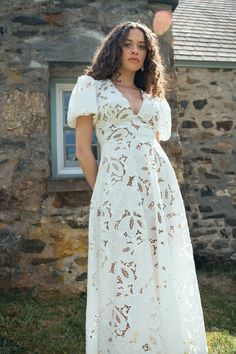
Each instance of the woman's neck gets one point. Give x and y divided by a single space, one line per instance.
126 79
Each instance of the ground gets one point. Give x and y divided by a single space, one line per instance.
33 324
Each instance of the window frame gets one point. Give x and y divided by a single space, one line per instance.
58 170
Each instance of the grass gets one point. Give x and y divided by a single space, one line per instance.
33 325
218 294
56 325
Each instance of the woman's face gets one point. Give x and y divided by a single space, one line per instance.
134 50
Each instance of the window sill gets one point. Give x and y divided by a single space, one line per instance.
67 185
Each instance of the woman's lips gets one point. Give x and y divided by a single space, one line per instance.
135 60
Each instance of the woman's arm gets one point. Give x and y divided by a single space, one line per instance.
84 153
158 137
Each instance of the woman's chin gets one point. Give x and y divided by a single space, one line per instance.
132 68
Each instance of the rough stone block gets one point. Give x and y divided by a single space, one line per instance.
32 246
224 125
220 244
206 191
29 20
24 113
200 104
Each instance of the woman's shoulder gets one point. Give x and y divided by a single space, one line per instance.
158 99
160 103
87 81
89 78
84 79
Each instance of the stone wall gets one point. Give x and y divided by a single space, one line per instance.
207 105
43 235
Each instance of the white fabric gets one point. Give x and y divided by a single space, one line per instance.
82 101
142 289
164 123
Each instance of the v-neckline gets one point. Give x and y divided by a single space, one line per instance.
124 96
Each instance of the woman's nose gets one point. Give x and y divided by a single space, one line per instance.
134 49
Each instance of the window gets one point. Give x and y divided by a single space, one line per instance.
64 162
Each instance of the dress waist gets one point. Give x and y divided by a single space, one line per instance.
127 134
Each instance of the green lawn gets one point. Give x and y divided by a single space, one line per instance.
218 294
29 324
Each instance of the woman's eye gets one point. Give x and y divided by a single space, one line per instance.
140 46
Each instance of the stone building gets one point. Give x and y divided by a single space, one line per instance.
44 198
205 60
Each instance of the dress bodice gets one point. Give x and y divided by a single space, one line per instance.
113 117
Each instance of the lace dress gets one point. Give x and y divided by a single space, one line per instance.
142 289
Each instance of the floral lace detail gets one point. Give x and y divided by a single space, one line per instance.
143 294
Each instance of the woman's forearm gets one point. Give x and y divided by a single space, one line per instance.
89 166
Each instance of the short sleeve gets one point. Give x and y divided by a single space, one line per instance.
164 124
83 100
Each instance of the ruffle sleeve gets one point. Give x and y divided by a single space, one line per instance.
83 100
164 124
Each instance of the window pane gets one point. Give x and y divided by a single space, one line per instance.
70 137
95 150
69 144
69 141
70 152
94 138
65 99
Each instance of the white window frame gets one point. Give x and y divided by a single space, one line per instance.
57 135
61 169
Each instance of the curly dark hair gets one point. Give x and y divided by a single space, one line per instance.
106 61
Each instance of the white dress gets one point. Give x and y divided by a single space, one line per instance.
142 289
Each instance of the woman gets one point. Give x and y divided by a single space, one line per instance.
142 289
